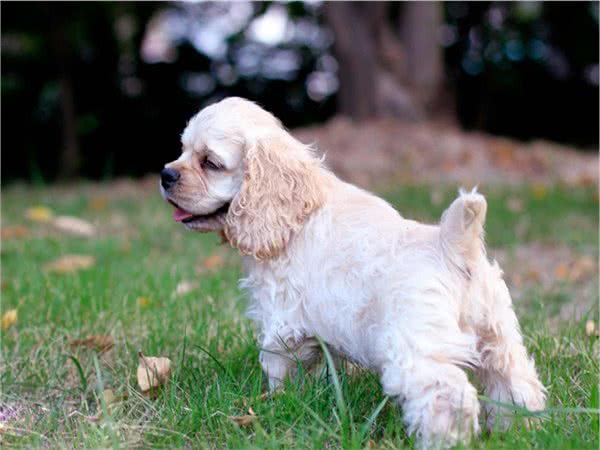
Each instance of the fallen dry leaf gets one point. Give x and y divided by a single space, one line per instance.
15 232
436 197
152 372
185 287
109 397
39 214
143 302
214 261
98 203
561 271
590 328
577 271
268 394
582 268
534 275
514 204
244 420
70 263
75 226
9 318
262 397
99 343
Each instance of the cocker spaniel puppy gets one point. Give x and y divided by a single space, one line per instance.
418 304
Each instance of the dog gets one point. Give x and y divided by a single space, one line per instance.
418 304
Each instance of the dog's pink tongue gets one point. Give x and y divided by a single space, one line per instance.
180 214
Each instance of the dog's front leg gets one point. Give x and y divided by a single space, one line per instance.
277 367
282 350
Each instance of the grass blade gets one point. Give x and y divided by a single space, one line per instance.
82 377
105 411
346 417
216 361
367 425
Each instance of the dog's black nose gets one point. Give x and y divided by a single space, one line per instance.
168 177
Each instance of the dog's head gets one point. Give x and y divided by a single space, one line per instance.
241 173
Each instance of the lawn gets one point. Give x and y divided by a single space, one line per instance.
54 394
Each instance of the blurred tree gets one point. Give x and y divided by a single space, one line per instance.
420 25
391 62
105 88
356 27
61 49
525 69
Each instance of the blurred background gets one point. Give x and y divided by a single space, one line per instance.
100 90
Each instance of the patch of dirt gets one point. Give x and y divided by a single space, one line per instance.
376 151
552 270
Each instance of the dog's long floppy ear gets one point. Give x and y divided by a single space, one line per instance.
281 188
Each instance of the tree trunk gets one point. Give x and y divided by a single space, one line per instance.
424 68
354 26
70 158
385 72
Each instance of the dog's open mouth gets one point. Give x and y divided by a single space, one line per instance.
183 216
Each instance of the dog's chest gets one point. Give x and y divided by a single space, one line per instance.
272 284
310 300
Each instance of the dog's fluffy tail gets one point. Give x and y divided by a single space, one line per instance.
461 228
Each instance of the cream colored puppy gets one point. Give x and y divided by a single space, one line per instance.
415 303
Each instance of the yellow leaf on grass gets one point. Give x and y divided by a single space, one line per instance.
152 372
74 225
539 191
70 263
96 342
143 302
246 419
9 318
39 214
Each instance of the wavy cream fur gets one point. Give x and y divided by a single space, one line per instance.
281 188
418 304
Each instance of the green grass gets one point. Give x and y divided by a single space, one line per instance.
140 252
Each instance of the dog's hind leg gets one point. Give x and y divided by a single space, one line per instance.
438 402
507 373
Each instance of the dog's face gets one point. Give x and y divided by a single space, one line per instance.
205 179
241 173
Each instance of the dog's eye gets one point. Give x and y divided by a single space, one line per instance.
207 163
